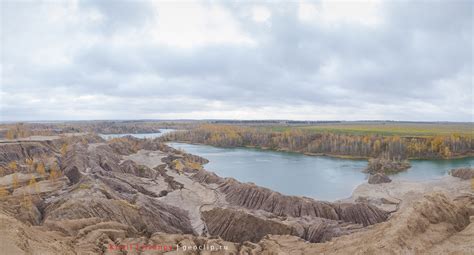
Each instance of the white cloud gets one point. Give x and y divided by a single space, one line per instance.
307 11
310 60
336 12
190 24
260 13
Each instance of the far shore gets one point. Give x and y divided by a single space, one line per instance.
469 155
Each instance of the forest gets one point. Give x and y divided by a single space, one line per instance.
313 141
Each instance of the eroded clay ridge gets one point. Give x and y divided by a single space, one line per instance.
87 193
254 197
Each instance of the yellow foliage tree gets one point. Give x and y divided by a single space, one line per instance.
447 152
30 163
178 165
4 192
436 143
40 169
27 200
10 134
32 184
54 173
13 165
18 131
15 182
64 149
377 146
194 165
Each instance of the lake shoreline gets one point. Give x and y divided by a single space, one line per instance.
322 177
390 196
468 155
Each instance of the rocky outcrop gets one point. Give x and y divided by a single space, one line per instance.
433 225
177 154
238 226
122 147
378 178
73 174
130 167
254 197
108 201
102 197
99 187
207 177
150 217
20 238
360 213
325 230
102 185
195 159
75 162
103 157
17 151
386 166
466 173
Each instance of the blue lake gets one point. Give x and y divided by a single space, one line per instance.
323 178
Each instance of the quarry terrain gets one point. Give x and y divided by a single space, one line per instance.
81 194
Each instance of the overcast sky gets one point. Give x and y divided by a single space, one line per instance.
314 60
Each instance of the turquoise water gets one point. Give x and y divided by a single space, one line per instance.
322 178
425 170
141 136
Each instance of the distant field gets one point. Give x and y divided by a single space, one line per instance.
383 128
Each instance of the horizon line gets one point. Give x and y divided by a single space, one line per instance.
236 120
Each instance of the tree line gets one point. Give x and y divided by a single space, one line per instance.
338 144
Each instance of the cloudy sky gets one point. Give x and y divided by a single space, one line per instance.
314 60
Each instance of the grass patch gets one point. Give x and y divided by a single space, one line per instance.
386 128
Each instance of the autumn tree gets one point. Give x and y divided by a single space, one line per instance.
27 200
177 165
194 165
54 172
15 182
40 169
10 134
32 184
447 152
13 166
31 164
64 149
17 131
3 192
301 140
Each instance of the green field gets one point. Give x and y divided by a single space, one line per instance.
388 128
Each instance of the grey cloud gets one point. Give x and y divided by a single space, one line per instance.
377 70
121 14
